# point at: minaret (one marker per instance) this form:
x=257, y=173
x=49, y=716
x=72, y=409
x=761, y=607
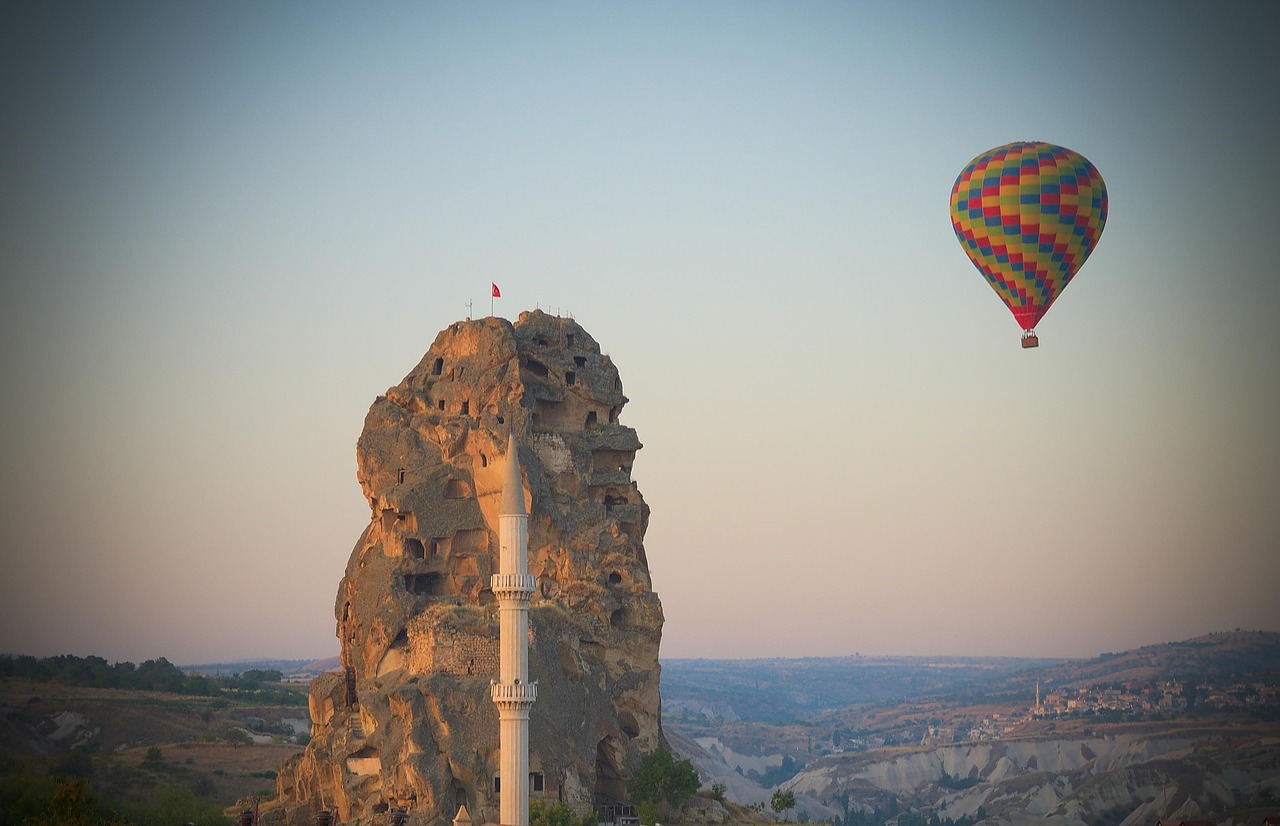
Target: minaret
x=513, y=694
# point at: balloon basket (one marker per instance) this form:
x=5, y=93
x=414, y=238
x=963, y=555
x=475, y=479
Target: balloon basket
x=1029, y=340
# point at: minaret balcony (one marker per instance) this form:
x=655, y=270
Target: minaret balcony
x=514, y=694
x=513, y=586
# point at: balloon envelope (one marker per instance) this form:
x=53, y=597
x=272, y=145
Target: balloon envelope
x=1028, y=214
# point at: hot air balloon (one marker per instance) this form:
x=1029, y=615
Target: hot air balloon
x=1028, y=214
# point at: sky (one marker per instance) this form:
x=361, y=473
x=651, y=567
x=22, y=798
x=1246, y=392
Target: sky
x=226, y=227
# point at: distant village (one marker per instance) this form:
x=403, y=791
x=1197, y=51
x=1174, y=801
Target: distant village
x=1130, y=700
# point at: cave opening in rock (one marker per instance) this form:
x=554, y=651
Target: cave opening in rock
x=413, y=548
x=425, y=585
x=568, y=339
x=581, y=361
x=591, y=418
x=570, y=377
x=615, y=578
x=536, y=367
x=610, y=785
x=439, y=367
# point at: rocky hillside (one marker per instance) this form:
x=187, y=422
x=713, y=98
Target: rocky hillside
x=1120, y=778
x=408, y=721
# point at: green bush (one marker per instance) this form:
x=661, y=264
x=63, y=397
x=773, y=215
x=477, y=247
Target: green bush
x=647, y=811
x=540, y=814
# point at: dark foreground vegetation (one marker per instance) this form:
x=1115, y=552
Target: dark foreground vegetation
x=32, y=796
x=84, y=741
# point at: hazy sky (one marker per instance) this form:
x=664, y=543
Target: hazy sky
x=225, y=227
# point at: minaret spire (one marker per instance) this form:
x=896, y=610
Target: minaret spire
x=513, y=693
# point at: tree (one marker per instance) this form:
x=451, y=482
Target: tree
x=661, y=778
x=782, y=800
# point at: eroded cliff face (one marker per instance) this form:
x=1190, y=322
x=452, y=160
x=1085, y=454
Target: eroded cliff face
x=409, y=722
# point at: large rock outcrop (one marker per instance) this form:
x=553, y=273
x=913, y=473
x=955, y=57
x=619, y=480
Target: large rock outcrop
x=408, y=722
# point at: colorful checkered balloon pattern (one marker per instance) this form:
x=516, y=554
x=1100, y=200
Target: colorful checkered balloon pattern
x=1028, y=214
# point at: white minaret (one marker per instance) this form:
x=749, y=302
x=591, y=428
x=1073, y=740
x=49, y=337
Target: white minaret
x=513, y=694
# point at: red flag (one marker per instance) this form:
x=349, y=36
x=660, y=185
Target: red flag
x=496, y=292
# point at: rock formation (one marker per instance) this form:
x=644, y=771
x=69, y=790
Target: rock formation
x=409, y=721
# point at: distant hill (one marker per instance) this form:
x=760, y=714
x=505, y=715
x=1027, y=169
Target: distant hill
x=1231, y=656
x=293, y=670
x=792, y=690
x=784, y=691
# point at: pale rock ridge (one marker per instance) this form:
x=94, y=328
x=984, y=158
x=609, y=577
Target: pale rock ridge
x=1075, y=781
x=409, y=722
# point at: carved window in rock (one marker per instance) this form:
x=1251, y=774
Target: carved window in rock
x=484, y=460
x=535, y=781
x=465, y=409
x=615, y=578
x=570, y=377
x=413, y=548
x=568, y=339
x=439, y=367
x=400, y=477
x=497, y=784
x=591, y=419
x=581, y=361
x=440, y=404
x=425, y=585
x=536, y=367
x=613, y=415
